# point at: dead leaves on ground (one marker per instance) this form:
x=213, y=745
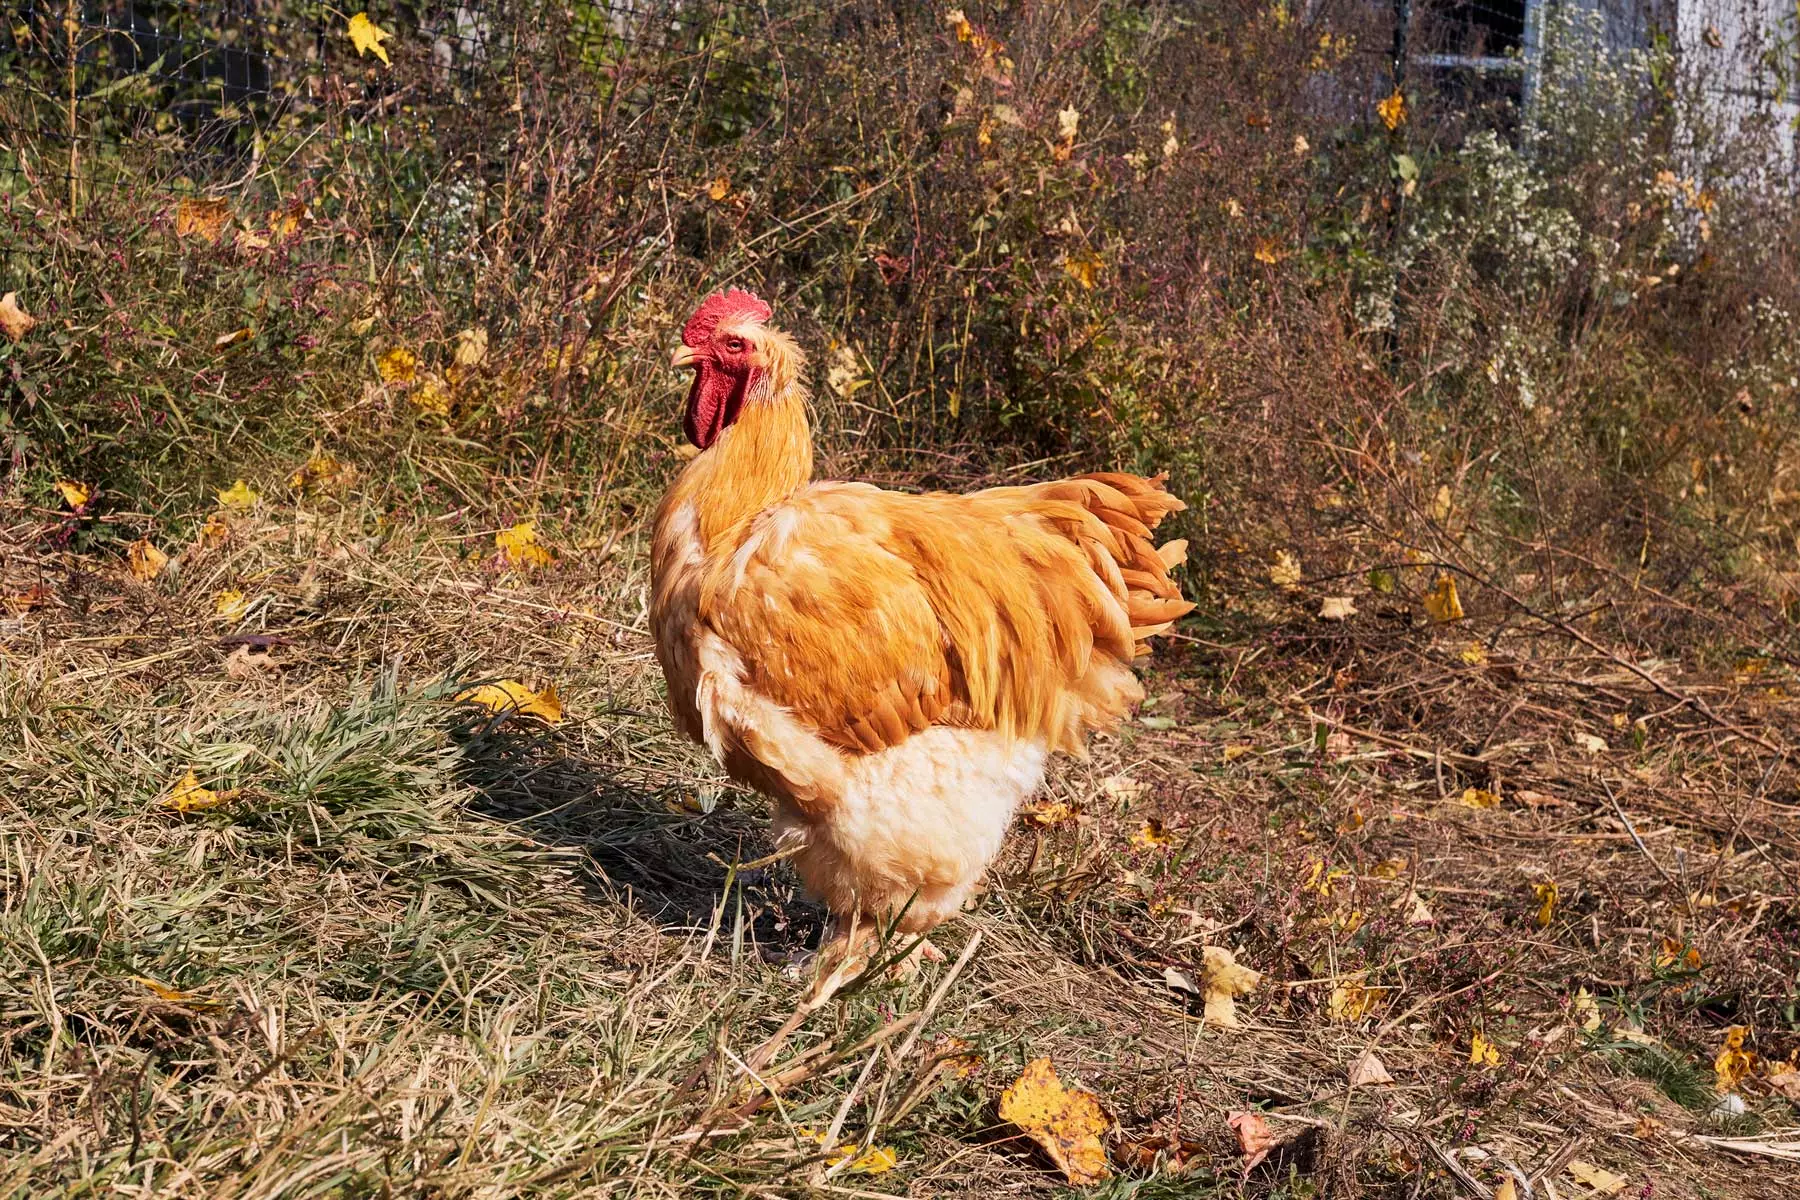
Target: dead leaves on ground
x=520, y=546
x=509, y=697
x=15, y=322
x=1067, y=1122
x=188, y=795
x=145, y=561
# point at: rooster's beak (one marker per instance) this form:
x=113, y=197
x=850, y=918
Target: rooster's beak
x=684, y=357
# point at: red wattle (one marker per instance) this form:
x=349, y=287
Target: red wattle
x=713, y=403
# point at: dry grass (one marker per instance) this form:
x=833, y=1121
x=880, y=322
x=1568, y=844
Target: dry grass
x=422, y=954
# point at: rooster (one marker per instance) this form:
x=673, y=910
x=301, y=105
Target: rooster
x=892, y=669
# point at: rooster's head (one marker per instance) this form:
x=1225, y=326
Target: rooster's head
x=727, y=345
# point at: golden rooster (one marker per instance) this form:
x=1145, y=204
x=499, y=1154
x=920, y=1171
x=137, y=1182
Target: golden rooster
x=891, y=669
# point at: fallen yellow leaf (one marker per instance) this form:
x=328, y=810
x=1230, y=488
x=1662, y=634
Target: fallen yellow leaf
x=431, y=396
x=1546, y=895
x=163, y=991
x=204, y=217
x=1586, y=1010
x=1675, y=952
x=1441, y=505
x=471, y=347
x=1226, y=980
x=1475, y=654
x=519, y=546
x=1483, y=1053
x=232, y=338
x=1236, y=750
x=1479, y=798
x=15, y=322
x=509, y=696
x=1048, y=815
x=1508, y=1190
x=321, y=470
x=873, y=1161
x=73, y=494
x=1604, y=1182
x=1152, y=835
x=1734, y=1062
x=1392, y=110
x=1784, y=1080
x=1267, y=252
x=718, y=187
x=1351, y=1000
x=230, y=605
x=146, y=561
x=1389, y=868
x=238, y=495
x=1067, y=1122
x=398, y=365
x=1083, y=268
x=1285, y=572
x=188, y=796
x=367, y=37
x=1442, y=603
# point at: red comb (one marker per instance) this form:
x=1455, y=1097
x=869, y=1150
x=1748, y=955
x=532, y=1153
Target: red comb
x=721, y=306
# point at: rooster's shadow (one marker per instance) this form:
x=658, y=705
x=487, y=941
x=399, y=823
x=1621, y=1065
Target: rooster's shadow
x=644, y=842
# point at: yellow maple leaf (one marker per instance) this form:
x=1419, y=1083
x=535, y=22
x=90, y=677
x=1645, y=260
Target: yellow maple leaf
x=1483, y=1053
x=509, y=697
x=1602, y=1181
x=214, y=531
x=1083, y=268
x=230, y=605
x=1285, y=571
x=1389, y=868
x=1392, y=110
x=15, y=322
x=1733, y=1062
x=1442, y=604
x=1048, y=815
x=960, y=24
x=431, y=396
x=718, y=187
x=321, y=470
x=1475, y=654
x=146, y=561
x=1152, y=836
x=1478, y=798
x=520, y=547
x=238, y=495
x=202, y=217
x=873, y=1161
x=397, y=365
x=367, y=37
x=1267, y=252
x=73, y=494
x=1236, y=750
x=188, y=796
x=1441, y=505
x=1226, y=980
x=1067, y=1122
x=1546, y=895
x=1586, y=1010
x=1352, y=999
x=1676, y=952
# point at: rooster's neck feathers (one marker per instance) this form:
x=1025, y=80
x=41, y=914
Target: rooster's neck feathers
x=762, y=458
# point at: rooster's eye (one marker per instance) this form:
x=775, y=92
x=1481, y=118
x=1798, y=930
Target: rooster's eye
x=735, y=345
